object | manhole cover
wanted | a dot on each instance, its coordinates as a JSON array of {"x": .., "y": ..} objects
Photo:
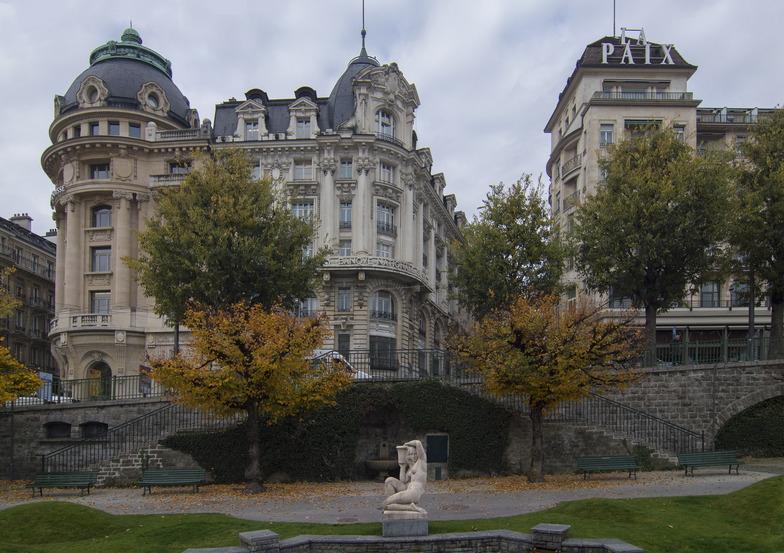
[{"x": 453, "y": 507}]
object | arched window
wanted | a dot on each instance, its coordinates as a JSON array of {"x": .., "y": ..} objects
[
  {"x": 385, "y": 124},
  {"x": 101, "y": 216},
  {"x": 382, "y": 306}
]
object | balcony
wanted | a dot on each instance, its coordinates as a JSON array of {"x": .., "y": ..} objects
[
  {"x": 389, "y": 138},
  {"x": 163, "y": 181},
  {"x": 383, "y": 315},
  {"x": 571, "y": 165},
  {"x": 643, "y": 96},
  {"x": 572, "y": 200},
  {"x": 386, "y": 228}
]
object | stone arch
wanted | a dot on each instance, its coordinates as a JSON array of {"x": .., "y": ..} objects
[
  {"x": 57, "y": 429},
  {"x": 93, "y": 429},
  {"x": 100, "y": 380},
  {"x": 743, "y": 403}
]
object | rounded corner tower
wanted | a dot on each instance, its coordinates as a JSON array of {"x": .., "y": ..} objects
[{"x": 122, "y": 130}]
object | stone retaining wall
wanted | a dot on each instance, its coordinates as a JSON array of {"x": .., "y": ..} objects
[{"x": 544, "y": 538}]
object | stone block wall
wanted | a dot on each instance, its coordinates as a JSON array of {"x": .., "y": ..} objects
[{"x": 544, "y": 538}]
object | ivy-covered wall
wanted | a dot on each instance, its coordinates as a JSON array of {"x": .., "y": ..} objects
[
  {"x": 332, "y": 443},
  {"x": 758, "y": 431}
]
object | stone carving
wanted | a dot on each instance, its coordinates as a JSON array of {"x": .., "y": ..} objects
[{"x": 404, "y": 493}]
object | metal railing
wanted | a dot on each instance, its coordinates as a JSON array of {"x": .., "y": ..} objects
[
  {"x": 642, "y": 95},
  {"x": 133, "y": 435},
  {"x": 709, "y": 352}
]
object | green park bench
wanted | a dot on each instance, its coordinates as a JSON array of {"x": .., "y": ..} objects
[
  {"x": 607, "y": 463},
  {"x": 171, "y": 477},
  {"x": 77, "y": 479},
  {"x": 708, "y": 459}
]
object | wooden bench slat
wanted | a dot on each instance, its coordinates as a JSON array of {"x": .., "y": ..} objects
[
  {"x": 690, "y": 460},
  {"x": 75, "y": 479},
  {"x": 171, "y": 477},
  {"x": 608, "y": 463}
]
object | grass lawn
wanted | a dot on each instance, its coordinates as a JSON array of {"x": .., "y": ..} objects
[{"x": 749, "y": 520}]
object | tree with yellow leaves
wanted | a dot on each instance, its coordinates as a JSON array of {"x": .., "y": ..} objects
[
  {"x": 249, "y": 359},
  {"x": 15, "y": 379},
  {"x": 549, "y": 351}
]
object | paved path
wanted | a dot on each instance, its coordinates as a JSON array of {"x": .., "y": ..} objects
[{"x": 444, "y": 500}]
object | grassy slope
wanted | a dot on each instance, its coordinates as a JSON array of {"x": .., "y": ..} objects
[{"x": 750, "y": 520}]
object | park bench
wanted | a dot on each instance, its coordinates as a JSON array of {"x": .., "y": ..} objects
[
  {"x": 607, "y": 463},
  {"x": 77, "y": 479},
  {"x": 708, "y": 459},
  {"x": 171, "y": 477}
]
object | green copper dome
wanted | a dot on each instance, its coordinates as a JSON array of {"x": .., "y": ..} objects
[{"x": 130, "y": 47}]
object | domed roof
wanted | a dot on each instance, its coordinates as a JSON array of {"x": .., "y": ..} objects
[
  {"x": 125, "y": 67},
  {"x": 341, "y": 99}
]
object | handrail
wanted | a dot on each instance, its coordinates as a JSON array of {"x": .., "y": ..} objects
[{"x": 131, "y": 435}]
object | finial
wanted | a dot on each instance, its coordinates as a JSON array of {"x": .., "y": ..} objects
[{"x": 364, "y": 32}]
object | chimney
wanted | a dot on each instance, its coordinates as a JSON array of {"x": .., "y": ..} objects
[{"x": 23, "y": 220}]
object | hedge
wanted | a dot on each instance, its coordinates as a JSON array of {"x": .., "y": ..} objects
[{"x": 323, "y": 444}]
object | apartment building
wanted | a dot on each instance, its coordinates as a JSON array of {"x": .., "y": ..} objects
[
  {"x": 350, "y": 160},
  {"x": 620, "y": 85}
]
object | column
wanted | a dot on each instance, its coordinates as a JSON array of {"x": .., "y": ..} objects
[
  {"x": 406, "y": 223},
  {"x": 74, "y": 256},
  {"x": 328, "y": 215},
  {"x": 122, "y": 248},
  {"x": 59, "y": 280},
  {"x": 361, "y": 227}
]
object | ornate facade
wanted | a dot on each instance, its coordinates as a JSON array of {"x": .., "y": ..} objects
[
  {"x": 349, "y": 160},
  {"x": 622, "y": 84}
]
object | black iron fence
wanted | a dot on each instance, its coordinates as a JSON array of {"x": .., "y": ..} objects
[{"x": 133, "y": 435}]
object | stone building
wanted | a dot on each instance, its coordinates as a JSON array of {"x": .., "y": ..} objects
[
  {"x": 350, "y": 160},
  {"x": 620, "y": 85},
  {"x": 25, "y": 331}
]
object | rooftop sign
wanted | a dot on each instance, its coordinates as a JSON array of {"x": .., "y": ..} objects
[{"x": 642, "y": 51}]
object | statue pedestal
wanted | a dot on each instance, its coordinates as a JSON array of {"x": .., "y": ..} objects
[{"x": 403, "y": 523}]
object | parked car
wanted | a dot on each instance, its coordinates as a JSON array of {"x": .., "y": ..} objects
[{"x": 331, "y": 356}]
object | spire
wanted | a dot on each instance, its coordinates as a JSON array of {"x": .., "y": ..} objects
[{"x": 363, "y": 52}]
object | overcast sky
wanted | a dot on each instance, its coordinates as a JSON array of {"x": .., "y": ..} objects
[{"x": 488, "y": 72}]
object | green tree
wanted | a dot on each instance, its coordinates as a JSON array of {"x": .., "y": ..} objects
[
  {"x": 656, "y": 223},
  {"x": 252, "y": 360},
  {"x": 757, "y": 229},
  {"x": 548, "y": 352},
  {"x": 221, "y": 238},
  {"x": 508, "y": 250},
  {"x": 15, "y": 379}
]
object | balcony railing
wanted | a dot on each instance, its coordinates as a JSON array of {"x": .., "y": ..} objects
[
  {"x": 176, "y": 179},
  {"x": 386, "y": 228},
  {"x": 571, "y": 164},
  {"x": 389, "y": 138},
  {"x": 642, "y": 95}
]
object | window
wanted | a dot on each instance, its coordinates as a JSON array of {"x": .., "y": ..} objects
[
  {"x": 344, "y": 249},
  {"x": 382, "y": 306},
  {"x": 19, "y": 322},
  {"x": 17, "y": 254},
  {"x": 344, "y": 300},
  {"x": 680, "y": 132},
  {"x": 602, "y": 174},
  {"x": 605, "y": 135},
  {"x": 114, "y": 128},
  {"x": 19, "y": 352},
  {"x": 303, "y": 128},
  {"x": 638, "y": 128},
  {"x": 383, "y": 250},
  {"x": 252, "y": 130},
  {"x": 179, "y": 168},
  {"x": 101, "y": 260},
  {"x": 346, "y": 169},
  {"x": 134, "y": 130},
  {"x": 344, "y": 344},
  {"x": 385, "y": 124},
  {"x": 100, "y": 302},
  {"x": 303, "y": 170},
  {"x": 308, "y": 307},
  {"x": 99, "y": 171},
  {"x": 303, "y": 210},
  {"x": 386, "y": 172},
  {"x": 345, "y": 214},
  {"x": 740, "y": 294},
  {"x": 709, "y": 294},
  {"x": 385, "y": 219},
  {"x": 77, "y": 131},
  {"x": 94, "y": 129},
  {"x": 101, "y": 216}
]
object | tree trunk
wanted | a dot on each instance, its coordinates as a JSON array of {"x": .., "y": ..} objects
[
  {"x": 650, "y": 335},
  {"x": 253, "y": 476},
  {"x": 536, "y": 471},
  {"x": 176, "y": 338}
]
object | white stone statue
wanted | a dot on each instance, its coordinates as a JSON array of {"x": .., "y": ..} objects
[{"x": 404, "y": 494}]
